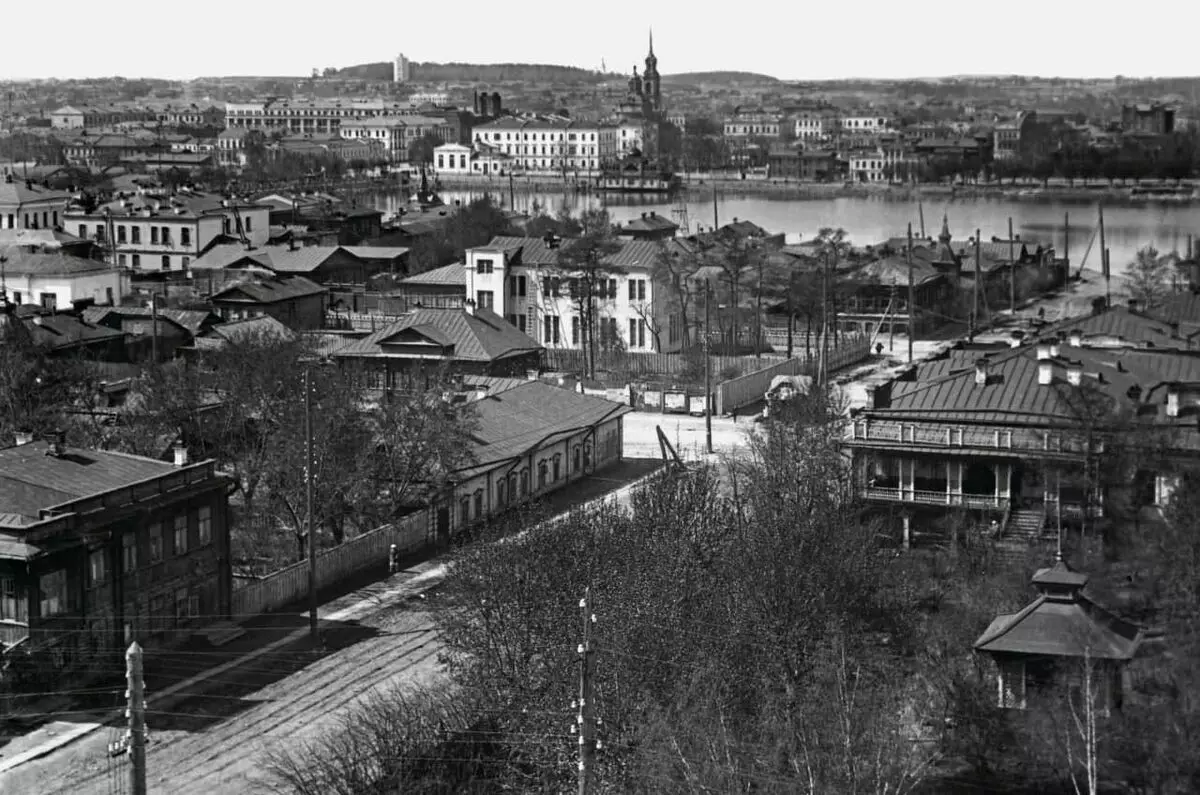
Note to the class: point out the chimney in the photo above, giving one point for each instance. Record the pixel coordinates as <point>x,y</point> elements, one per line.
<point>1043,351</point>
<point>469,306</point>
<point>1132,304</point>
<point>981,372</point>
<point>1015,340</point>
<point>1172,401</point>
<point>181,455</point>
<point>58,444</point>
<point>1075,374</point>
<point>1045,372</point>
<point>1076,338</point>
<point>24,437</point>
<point>1054,348</point>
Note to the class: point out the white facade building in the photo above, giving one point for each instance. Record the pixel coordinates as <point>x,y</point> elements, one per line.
<point>452,159</point>
<point>55,280</point>
<point>550,145</point>
<point>519,279</point>
<point>388,131</point>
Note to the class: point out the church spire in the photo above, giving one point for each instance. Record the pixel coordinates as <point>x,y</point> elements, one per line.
<point>651,41</point>
<point>945,235</point>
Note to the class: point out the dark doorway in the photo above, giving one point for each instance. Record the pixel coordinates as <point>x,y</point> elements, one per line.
<point>979,479</point>
<point>443,525</point>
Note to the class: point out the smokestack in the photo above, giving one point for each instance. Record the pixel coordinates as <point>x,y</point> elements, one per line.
<point>981,372</point>
<point>1173,402</point>
<point>1045,372</point>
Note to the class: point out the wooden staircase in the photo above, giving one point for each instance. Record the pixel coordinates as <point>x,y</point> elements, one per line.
<point>1021,530</point>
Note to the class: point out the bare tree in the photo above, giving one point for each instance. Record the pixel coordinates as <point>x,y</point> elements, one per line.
<point>1148,281</point>
<point>589,277</point>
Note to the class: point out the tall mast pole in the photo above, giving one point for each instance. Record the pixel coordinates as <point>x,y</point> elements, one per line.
<point>707,369</point>
<point>912,304</point>
<point>308,500</point>
<point>1012,269</point>
<point>1103,255</point>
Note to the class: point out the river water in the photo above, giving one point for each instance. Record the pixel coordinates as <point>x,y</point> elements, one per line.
<point>872,219</point>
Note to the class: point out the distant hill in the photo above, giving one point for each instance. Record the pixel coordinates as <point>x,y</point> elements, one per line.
<point>473,73</point>
<point>694,78</point>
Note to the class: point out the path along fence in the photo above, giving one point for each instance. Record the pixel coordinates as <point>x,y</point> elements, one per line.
<point>289,585</point>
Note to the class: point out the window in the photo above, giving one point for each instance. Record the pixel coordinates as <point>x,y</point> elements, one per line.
<point>121,259</point>
<point>121,233</point>
<point>574,329</point>
<point>135,235</point>
<point>478,503</point>
<point>542,471</point>
<point>137,261</point>
<point>12,602</point>
<point>97,568</point>
<point>464,510</point>
<point>521,320</point>
<point>516,286</point>
<point>186,261</point>
<point>154,235</point>
<point>53,590</point>
<point>181,535</point>
<point>129,556</point>
<point>485,299</point>
<point>185,236</point>
<point>182,603</point>
<point>612,288</point>
<point>552,329</point>
<point>165,237</point>
<point>576,461</point>
<point>524,482</point>
<point>502,491</point>
<point>204,526</point>
<point>156,545</point>
<point>166,262</point>
<point>82,228</point>
<point>249,224</point>
<point>557,466</point>
<point>49,301</point>
<point>633,327</point>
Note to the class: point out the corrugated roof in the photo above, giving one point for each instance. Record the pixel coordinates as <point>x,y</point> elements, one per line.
<point>650,223</point>
<point>1183,308</point>
<point>480,337</point>
<point>1131,329</point>
<point>376,252</point>
<point>46,238</point>
<point>238,331</point>
<point>194,320</point>
<point>31,479</point>
<point>64,331</point>
<point>17,192</point>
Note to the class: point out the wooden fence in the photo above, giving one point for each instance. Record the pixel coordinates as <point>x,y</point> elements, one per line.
<point>728,396</point>
<point>289,585</point>
<point>633,364</point>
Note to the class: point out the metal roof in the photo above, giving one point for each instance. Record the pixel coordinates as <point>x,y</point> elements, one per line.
<point>481,336</point>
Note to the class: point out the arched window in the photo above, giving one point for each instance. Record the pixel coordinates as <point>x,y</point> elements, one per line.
<point>502,491</point>
<point>587,455</point>
<point>578,459</point>
<point>542,469</point>
<point>512,486</point>
<point>464,510</point>
<point>524,482</point>
<point>557,466</point>
<point>478,503</point>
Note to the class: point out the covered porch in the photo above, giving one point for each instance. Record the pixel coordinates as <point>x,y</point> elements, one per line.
<point>929,480</point>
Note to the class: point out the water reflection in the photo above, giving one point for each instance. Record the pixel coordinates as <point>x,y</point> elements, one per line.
<point>870,219</point>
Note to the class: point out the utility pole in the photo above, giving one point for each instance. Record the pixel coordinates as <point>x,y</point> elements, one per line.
<point>975,305</point>
<point>584,716</point>
<point>512,200</point>
<point>136,713</point>
<point>716,225</point>
<point>1103,255</point>
<point>921,215</point>
<point>1107,278</point>
<point>1067,241</point>
<point>792,314</point>
<point>308,500</point>
<point>892,324</point>
<point>912,306</point>
<point>707,369</point>
<point>154,326</point>
<point>1012,270</point>
<point>822,376</point>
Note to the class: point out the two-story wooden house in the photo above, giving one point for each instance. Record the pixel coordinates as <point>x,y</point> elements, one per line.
<point>98,549</point>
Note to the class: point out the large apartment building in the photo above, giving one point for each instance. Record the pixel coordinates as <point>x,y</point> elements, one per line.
<point>397,133</point>
<point>308,116</point>
<point>551,144</point>
<point>159,233</point>
<point>519,278</point>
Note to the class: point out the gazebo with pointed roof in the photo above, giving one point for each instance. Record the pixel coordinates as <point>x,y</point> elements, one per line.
<point>1054,637</point>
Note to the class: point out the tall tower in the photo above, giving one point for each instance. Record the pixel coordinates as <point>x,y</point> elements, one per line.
<point>653,84</point>
<point>401,71</point>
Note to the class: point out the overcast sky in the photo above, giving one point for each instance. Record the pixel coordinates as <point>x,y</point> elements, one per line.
<point>140,38</point>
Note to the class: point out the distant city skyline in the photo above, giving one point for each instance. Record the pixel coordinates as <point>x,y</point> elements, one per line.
<point>226,38</point>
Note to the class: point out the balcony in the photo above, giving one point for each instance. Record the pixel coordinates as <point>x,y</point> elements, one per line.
<point>915,497</point>
<point>1017,440</point>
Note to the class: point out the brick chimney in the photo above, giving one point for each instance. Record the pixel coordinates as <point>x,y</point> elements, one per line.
<point>1076,338</point>
<point>1172,401</point>
<point>1045,372</point>
<point>181,455</point>
<point>1075,374</point>
<point>469,306</point>
<point>981,372</point>
<point>1043,351</point>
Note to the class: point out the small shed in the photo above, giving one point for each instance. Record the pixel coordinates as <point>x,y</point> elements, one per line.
<point>1053,640</point>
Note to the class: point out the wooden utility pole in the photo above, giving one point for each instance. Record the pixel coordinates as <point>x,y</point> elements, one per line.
<point>822,375</point>
<point>512,201</point>
<point>136,713</point>
<point>892,312</point>
<point>707,369</point>
<point>921,215</point>
<point>1107,278</point>
<point>1067,241</point>
<point>912,304</point>
<point>1103,254</point>
<point>585,715</point>
<point>978,286</point>
<point>1012,269</point>
<point>716,225</point>
<point>154,326</point>
<point>308,502</point>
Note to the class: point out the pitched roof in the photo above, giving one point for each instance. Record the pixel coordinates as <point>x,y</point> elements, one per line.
<point>482,336</point>
<point>376,252</point>
<point>894,270</point>
<point>193,320</point>
<point>268,290</point>
<point>453,274</point>
<point>31,478</point>
<point>17,192</point>
<point>1182,308</point>
<point>282,259</point>
<point>1014,396</point>
<point>1061,622</point>
<point>1120,326</point>
<point>42,238</point>
<point>239,331</point>
<point>649,223</point>
<point>64,331</point>
<point>516,420</point>
<point>37,263</point>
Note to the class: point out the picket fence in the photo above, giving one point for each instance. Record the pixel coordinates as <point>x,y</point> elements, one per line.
<point>369,550</point>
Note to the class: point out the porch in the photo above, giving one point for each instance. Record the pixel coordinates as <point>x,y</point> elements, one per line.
<point>924,480</point>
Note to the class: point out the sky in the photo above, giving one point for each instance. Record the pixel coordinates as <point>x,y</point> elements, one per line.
<point>140,38</point>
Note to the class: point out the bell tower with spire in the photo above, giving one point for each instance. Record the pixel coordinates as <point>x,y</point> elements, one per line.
<point>653,84</point>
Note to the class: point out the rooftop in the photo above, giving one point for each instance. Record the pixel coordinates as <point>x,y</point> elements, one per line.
<point>481,336</point>
<point>22,262</point>
<point>268,290</point>
<point>453,274</point>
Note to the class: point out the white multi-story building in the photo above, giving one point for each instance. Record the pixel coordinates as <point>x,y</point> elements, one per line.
<point>553,144</point>
<point>388,131</point>
<point>401,69</point>
<point>815,125</point>
<point>884,164</point>
<point>429,98</point>
<point>318,116</point>
<point>520,279</point>
<point>864,122</point>
<point>754,125</point>
<point>149,232</point>
<point>630,134</point>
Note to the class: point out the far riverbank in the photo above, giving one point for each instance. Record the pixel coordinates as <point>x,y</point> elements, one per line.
<point>694,187</point>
